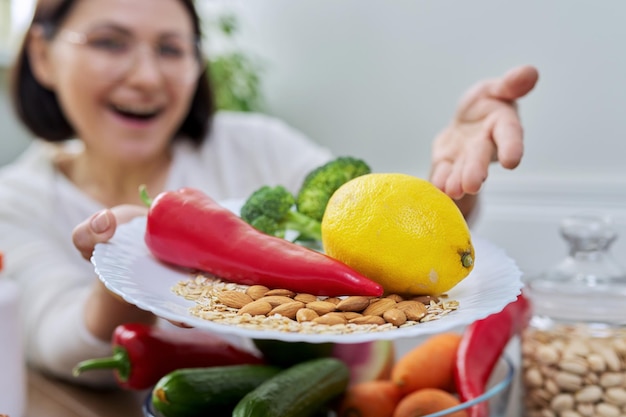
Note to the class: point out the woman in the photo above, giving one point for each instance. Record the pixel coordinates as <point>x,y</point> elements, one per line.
<point>117,93</point>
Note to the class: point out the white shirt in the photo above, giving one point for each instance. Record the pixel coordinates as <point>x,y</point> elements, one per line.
<point>39,207</point>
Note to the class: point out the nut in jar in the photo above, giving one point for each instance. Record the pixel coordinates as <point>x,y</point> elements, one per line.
<point>574,349</point>
<point>572,370</point>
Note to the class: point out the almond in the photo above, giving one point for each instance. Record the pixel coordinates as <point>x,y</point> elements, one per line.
<point>305,298</point>
<point>334,300</point>
<point>377,308</point>
<point>414,310</point>
<point>288,309</point>
<point>330,319</point>
<point>321,307</point>
<point>395,316</point>
<point>234,299</point>
<point>368,320</point>
<point>306,314</point>
<point>395,297</point>
<point>425,299</point>
<point>256,308</point>
<point>283,292</point>
<point>349,315</point>
<point>353,303</point>
<point>257,291</point>
<point>276,300</point>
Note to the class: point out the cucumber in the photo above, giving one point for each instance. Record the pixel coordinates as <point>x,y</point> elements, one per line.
<point>286,354</point>
<point>299,391</point>
<point>214,391</point>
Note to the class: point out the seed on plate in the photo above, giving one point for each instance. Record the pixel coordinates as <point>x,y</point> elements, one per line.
<point>306,314</point>
<point>330,319</point>
<point>305,298</point>
<point>288,309</point>
<point>283,292</point>
<point>234,299</point>
<point>321,307</point>
<point>276,300</point>
<point>379,307</point>
<point>353,303</point>
<point>414,310</point>
<point>256,308</point>
<point>257,291</point>
<point>395,316</point>
<point>368,320</point>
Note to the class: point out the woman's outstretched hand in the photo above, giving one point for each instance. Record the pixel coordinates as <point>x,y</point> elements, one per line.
<point>486,128</point>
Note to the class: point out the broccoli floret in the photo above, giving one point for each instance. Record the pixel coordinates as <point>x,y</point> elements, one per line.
<point>269,209</point>
<point>320,184</point>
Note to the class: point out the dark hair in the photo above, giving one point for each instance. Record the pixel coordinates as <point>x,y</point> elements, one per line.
<point>38,108</point>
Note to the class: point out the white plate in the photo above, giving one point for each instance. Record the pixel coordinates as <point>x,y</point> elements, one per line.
<point>127,268</point>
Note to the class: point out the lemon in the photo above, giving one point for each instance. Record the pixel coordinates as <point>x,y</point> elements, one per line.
<point>400,231</point>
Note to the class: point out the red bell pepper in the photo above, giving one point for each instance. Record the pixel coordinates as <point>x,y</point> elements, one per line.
<point>187,228</point>
<point>143,354</point>
<point>481,346</point>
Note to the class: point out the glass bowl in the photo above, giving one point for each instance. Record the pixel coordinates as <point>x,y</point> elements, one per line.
<point>497,394</point>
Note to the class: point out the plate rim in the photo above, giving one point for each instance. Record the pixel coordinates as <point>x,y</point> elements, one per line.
<point>445,323</point>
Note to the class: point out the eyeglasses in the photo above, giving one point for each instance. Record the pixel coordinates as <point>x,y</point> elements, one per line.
<point>116,53</point>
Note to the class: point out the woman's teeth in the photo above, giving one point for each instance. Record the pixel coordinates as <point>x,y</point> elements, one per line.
<point>137,111</point>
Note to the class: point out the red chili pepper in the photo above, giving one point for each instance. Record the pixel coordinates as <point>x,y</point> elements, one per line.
<point>144,354</point>
<point>481,346</point>
<point>187,228</point>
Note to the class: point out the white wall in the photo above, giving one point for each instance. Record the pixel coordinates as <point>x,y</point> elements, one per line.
<point>379,79</point>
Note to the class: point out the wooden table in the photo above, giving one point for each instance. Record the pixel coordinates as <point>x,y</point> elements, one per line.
<point>48,397</point>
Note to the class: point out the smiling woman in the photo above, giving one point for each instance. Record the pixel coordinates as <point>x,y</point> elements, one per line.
<point>115,94</point>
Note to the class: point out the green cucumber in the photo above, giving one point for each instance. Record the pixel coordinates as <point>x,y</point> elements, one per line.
<point>214,391</point>
<point>286,354</point>
<point>299,391</point>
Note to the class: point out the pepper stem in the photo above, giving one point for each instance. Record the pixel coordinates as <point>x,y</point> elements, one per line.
<point>145,197</point>
<point>119,362</point>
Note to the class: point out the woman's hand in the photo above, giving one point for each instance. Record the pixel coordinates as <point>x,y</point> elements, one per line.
<point>100,227</point>
<point>104,310</point>
<point>486,128</point>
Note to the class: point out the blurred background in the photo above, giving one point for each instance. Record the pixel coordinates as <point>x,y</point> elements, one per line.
<point>378,80</point>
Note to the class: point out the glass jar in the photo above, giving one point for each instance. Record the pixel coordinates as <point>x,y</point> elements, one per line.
<point>574,349</point>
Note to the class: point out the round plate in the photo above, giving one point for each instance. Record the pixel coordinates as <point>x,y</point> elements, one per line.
<point>127,268</point>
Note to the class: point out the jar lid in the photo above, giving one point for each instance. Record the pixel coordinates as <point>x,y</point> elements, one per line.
<point>588,285</point>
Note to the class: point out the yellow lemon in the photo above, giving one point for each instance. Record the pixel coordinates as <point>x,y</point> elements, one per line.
<point>400,231</point>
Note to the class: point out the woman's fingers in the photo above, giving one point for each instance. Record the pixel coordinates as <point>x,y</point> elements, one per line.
<point>508,135</point>
<point>98,228</point>
<point>127,212</point>
<point>516,83</point>
<point>478,100</point>
<point>101,226</point>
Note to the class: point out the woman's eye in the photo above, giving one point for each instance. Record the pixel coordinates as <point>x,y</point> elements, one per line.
<point>171,51</point>
<point>109,44</point>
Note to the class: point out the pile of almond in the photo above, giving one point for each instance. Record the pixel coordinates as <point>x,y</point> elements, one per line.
<point>574,370</point>
<point>258,300</point>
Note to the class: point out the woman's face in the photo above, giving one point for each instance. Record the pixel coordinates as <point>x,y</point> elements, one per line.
<point>124,72</point>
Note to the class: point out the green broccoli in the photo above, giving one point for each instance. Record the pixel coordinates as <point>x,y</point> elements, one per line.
<point>320,184</point>
<point>269,209</point>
